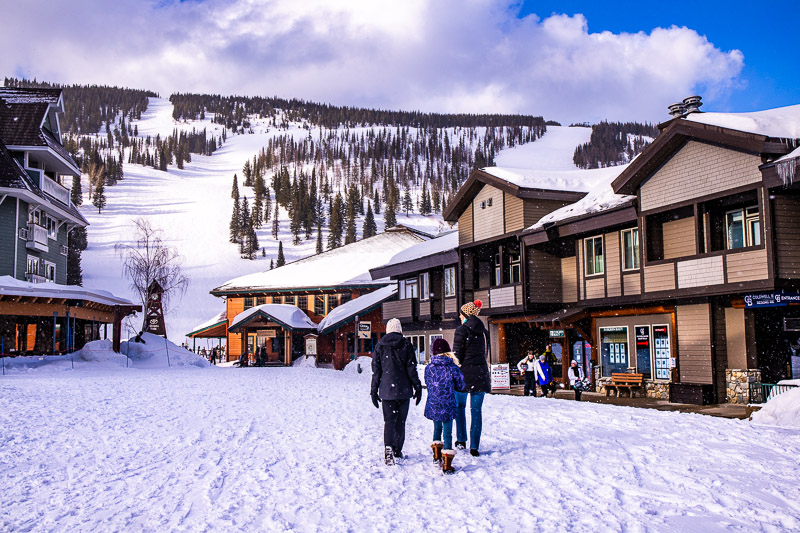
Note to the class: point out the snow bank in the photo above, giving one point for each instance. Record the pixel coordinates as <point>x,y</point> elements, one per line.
<point>152,353</point>
<point>309,361</point>
<point>363,362</point>
<point>781,410</point>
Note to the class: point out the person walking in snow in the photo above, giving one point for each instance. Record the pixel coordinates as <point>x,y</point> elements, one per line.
<point>544,375</point>
<point>575,375</point>
<point>526,368</point>
<point>471,344</point>
<point>443,378</point>
<point>394,382</point>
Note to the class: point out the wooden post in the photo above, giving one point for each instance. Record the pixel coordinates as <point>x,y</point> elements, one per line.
<point>502,355</point>
<point>287,347</point>
<point>116,330</point>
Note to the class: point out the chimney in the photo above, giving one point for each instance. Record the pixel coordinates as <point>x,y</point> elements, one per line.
<point>692,104</point>
<point>676,110</point>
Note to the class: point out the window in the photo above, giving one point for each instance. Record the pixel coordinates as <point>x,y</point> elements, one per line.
<point>661,347</point>
<point>742,228</point>
<point>49,271</point>
<point>418,342</point>
<point>261,300</point>
<point>449,281</point>
<point>409,288</point>
<point>425,292</point>
<point>319,304</point>
<point>614,349</point>
<point>514,263</point>
<point>498,269</point>
<point>593,250</point>
<point>248,303</point>
<point>34,216</point>
<point>630,249</point>
<point>345,297</point>
<point>333,301</point>
<point>33,265</point>
<point>302,302</point>
<point>52,228</point>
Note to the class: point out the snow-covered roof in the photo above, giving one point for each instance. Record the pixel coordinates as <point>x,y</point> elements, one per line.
<point>577,180</point>
<point>356,306</point>
<point>289,316</point>
<point>782,122</point>
<point>10,286</point>
<point>794,154</point>
<point>444,243</point>
<point>601,198</point>
<point>218,319</point>
<point>348,265</point>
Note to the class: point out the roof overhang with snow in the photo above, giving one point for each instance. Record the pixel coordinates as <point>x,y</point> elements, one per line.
<point>289,317</point>
<point>480,177</point>
<point>346,313</point>
<point>676,133</point>
<point>212,329</point>
<point>436,252</point>
<point>585,223</point>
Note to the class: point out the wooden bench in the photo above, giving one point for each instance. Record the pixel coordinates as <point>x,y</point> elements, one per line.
<point>625,381</point>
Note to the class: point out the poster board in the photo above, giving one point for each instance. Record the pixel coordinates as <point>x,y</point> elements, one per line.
<point>501,377</point>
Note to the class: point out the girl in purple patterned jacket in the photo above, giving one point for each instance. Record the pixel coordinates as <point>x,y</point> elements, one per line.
<point>443,378</point>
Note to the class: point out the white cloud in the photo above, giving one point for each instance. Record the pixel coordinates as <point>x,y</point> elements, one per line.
<point>434,55</point>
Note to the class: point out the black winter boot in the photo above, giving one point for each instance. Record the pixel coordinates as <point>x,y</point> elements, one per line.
<point>461,445</point>
<point>388,456</point>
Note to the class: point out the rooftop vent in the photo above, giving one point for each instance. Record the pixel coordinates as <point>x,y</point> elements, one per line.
<point>690,104</point>
<point>676,110</point>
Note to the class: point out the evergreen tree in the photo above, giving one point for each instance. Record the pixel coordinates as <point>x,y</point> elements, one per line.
<point>267,205</point>
<point>408,203</point>
<point>271,264</point>
<point>335,226</point>
<point>275,223</point>
<point>370,228</point>
<point>247,172</point>
<point>99,200</point>
<point>350,231</point>
<point>235,225</point>
<point>76,193</point>
<point>376,198</point>
<point>235,189</point>
<point>389,217</point>
<point>77,243</point>
<point>294,225</point>
<point>319,238</point>
<point>437,200</point>
<point>281,260</point>
<point>425,207</point>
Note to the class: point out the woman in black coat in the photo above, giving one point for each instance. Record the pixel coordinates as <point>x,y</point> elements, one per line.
<point>471,344</point>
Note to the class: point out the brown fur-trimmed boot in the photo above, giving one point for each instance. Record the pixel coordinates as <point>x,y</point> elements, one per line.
<point>447,461</point>
<point>437,446</point>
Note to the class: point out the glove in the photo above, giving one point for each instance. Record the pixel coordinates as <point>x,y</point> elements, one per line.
<point>375,400</point>
<point>418,395</point>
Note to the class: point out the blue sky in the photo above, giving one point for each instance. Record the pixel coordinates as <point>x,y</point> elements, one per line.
<point>765,32</point>
<point>567,61</point>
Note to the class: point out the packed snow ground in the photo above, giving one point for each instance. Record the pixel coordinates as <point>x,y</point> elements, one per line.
<point>105,448</point>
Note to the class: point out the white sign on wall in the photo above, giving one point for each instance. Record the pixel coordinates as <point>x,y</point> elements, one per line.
<point>501,377</point>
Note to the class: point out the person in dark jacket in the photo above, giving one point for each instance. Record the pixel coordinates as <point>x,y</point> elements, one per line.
<point>544,375</point>
<point>471,344</point>
<point>443,378</point>
<point>394,382</point>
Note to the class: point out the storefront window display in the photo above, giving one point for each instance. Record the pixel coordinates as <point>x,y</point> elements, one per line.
<point>661,347</point>
<point>643,351</point>
<point>614,349</point>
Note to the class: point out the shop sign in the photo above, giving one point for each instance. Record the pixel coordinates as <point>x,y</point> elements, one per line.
<point>311,345</point>
<point>556,333</point>
<point>364,330</point>
<point>614,329</point>
<point>501,377</point>
<point>269,333</point>
<point>771,299</point>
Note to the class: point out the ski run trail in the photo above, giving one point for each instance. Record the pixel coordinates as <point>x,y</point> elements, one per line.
<point>108,448</point>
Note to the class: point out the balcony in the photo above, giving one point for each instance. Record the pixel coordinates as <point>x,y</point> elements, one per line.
<point>35,278</point>
<point>37,238</point>
<point>503,297</point>
<point>406,310</point>
<point>56,190</point>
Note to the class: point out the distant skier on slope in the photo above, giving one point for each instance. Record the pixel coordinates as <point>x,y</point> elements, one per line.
<point>394,382</point>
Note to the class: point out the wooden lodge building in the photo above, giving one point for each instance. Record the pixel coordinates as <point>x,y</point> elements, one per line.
<point>39,313</point>
<point>682,266</point>
<point>334,290</point>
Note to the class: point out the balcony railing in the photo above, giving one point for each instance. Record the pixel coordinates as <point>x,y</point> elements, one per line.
<point>34,278</point>
<point>56,190</point>
<point>37,238</point>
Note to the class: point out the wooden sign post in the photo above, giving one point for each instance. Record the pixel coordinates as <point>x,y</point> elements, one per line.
<point>154,314</point>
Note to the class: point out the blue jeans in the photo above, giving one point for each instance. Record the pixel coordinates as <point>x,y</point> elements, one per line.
<point>476,421</point>
<point>446,427</point>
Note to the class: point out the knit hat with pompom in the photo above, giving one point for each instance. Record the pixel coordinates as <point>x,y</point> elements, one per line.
<point>471,308</point>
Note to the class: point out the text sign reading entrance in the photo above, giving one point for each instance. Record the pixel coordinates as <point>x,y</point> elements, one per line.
<point>364,330</point>
<point>501,377</point>
<point>771,299</point>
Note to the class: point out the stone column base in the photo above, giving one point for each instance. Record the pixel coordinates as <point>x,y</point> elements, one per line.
<point>738,385</point>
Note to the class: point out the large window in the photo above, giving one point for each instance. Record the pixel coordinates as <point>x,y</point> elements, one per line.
<point>302,302</point>
<point>644,343</point>
<point>449,282</point>
<point>248,303</point>
<point>409,288</point>
<point>630,249</point>
<point>614,349</point>
<point>742,228</point>
<point>333,302</point>
<point>33,265</point>
<point>425,291</point>
<point>49,271</point>
<point>515,267</point>
<point>319,304</point>
<point>261,300</point>
<point>593,255</point>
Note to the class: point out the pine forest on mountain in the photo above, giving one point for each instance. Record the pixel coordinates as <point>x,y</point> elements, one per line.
<point>614,143</point>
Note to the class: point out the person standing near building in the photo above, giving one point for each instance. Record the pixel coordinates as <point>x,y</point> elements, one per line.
<point>394,382</point>
<point>526,366</point>
<point>471,344</point>
<point>443,378</point>
<point>544,375</point>
<point>575,375</point>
